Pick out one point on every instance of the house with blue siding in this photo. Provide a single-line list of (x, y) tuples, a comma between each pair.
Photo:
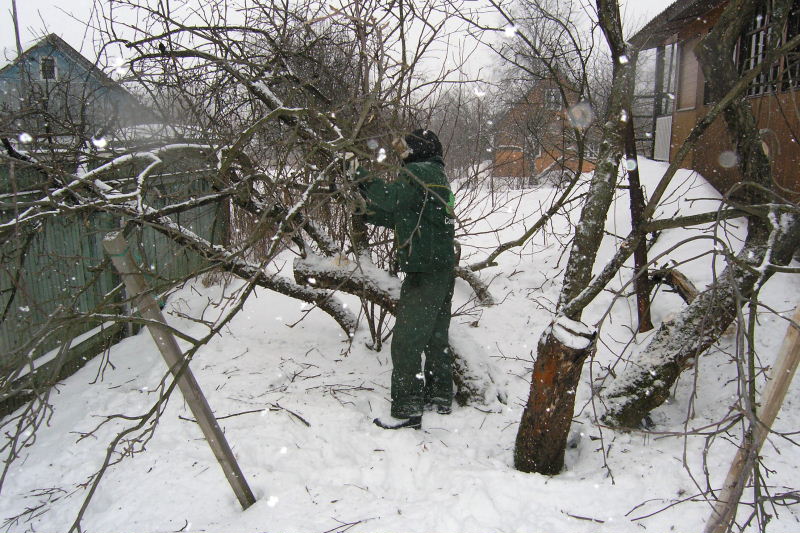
[(52, 96)]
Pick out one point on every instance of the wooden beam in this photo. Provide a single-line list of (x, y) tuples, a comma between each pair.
[(742, 467), (117, 248)]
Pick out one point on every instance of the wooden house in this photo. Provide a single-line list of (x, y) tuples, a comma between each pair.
[(681, 98), (534, 136), (52, 94)]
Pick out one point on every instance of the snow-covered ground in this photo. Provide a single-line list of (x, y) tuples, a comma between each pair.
[(297, 404)]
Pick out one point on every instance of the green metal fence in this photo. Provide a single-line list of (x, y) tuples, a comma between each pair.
[(57, 272)]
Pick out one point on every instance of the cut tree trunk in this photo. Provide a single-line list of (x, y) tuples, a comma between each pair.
[(542, 437)]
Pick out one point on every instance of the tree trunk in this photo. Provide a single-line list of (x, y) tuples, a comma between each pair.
[(541, 440), (641, 281), (542, 434)]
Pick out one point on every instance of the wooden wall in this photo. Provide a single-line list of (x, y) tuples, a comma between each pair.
[(777, 116)]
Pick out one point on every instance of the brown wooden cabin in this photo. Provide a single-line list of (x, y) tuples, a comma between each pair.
[(532, 137), (680, 98)]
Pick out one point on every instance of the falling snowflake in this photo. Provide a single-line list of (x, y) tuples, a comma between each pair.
[(381, 155), (580, 115), (623, 116), (120, 65), (480, 93), (99, 142), (372, 144), (25, 138), (272, 501), (728, 159), (623, 60), (631, 164), (510, 30)]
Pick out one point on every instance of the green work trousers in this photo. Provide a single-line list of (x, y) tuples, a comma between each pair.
[(421, 325)]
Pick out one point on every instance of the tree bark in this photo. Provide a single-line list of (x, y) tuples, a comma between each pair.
[(641, 281), (544, 428)]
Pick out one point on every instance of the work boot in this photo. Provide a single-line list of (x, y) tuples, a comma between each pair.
[(390, 422), (439, 408), (438, 405)]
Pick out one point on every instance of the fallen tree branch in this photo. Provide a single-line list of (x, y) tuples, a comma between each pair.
[(647, 379), (679, 282), (477, 284)]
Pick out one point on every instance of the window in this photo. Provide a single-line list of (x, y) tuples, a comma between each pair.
[(552, 99), (47, 66), (791, 71), (667, 70), (754, 45)]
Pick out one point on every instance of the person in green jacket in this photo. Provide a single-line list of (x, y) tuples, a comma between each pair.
[(418, 206)]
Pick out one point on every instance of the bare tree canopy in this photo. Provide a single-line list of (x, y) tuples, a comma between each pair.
[(218, 145)]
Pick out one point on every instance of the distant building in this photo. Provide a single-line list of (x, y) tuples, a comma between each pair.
[(535, 137), (681, 98), (52, 96)]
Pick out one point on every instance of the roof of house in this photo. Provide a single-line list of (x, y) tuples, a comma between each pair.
[(670, 21), (60, 44), (538, 85)]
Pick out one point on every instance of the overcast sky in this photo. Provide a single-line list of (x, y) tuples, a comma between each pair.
[(68, 18)]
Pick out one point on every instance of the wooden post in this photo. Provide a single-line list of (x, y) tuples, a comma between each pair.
[(117, 247), (781, 376)]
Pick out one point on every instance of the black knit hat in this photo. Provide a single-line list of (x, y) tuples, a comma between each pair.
[(422, 145)]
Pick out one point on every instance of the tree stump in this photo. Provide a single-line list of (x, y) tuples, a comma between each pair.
[(543, 430)]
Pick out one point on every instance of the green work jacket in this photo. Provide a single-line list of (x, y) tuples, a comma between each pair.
[(418, 206)]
